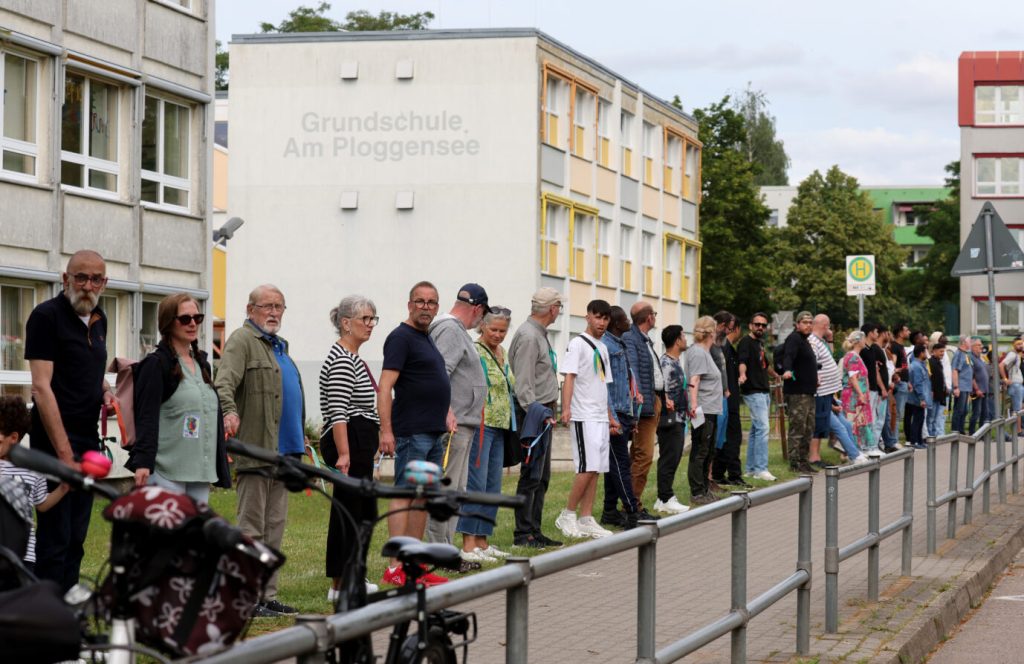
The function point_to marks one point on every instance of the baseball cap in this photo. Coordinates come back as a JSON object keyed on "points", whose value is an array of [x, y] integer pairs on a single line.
{"points": [[546, 296], [473, 294]]}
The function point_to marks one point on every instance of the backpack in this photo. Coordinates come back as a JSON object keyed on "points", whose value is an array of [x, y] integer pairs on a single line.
{"points": [[124, 409], [778, 355]]}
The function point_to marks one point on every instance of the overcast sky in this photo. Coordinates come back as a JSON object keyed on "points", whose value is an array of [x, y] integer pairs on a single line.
{"points": [[868, 85]]}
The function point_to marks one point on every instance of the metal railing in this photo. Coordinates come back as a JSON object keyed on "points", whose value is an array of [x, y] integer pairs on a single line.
{"points": [[314, 635], [834, 555], [991, 434]]}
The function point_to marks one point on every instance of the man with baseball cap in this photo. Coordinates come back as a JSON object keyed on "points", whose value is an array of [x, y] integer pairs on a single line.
{"points": [[450, 333], [536, 370]]}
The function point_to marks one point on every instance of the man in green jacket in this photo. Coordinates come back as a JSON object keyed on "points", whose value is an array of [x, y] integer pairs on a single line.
{"points": [[261, 394]]}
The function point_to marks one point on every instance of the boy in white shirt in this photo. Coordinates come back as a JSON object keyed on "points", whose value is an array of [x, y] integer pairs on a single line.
{"points": [[587, 370]]}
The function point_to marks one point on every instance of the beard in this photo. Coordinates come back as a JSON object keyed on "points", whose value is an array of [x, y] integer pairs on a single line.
{"points": [[82, 302]]}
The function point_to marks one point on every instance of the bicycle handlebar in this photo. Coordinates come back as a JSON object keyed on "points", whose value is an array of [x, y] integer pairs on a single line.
{"points": [[49, 465], [364, 487]]}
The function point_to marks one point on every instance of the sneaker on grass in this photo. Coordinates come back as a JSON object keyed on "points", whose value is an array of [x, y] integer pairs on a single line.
{"points": [[588, 527], [764, 476], [493, 552], [280, 608], [567, 524], [477, 556]]}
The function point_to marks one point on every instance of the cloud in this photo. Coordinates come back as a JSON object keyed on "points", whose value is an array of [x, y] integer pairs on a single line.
{"points": [[923, 81], [875, 156], [721, 58]]}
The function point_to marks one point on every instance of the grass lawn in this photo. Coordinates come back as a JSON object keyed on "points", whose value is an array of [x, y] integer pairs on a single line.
{"points": [[303, 583]]}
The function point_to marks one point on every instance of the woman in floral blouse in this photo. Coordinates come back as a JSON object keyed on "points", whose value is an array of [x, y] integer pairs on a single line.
{"points": [[487, 445], [855, 391]]}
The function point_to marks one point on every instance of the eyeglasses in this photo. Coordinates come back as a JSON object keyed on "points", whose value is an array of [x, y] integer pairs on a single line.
{"points": [[185, 318], [81, 278], [369, 320], [759, 325], [425, 304], [272, 308]]}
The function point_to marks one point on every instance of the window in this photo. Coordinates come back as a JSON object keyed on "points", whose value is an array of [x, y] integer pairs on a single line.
{"points": [[672, 261], [19, 80], [89, 126], [651, 133], [647, 256], [673, 162], [556, 92], [604, 133], [773, 218], [1009, 312], [914, 256], [999, 104], [16, 303], [149, 335], [554, 227], [997, 176], [582, 232], [691, 172], [165, 153], [691, 273], [584, 122], [604, 251], [626, 257], [626, 136]]}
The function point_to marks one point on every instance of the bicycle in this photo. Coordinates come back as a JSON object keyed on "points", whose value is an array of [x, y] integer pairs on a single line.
{"points": [[438, 634], [171, 560]]}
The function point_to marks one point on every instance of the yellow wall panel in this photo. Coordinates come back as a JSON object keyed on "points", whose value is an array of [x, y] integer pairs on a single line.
{"points": [[606, 185], [220, 180], [651, 203], [668, 314], [581, 176], [605, 156], [220, 278], [670, 209], [627, 162], [607, 294], [579, 296]]}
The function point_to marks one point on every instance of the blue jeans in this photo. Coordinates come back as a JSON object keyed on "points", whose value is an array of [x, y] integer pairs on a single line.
{"points": [[1016, 394], [935, 420], [723, 420], [757, 440], [483, 478], [843, 429], [418, 446], [879, 413], [979, 413], [960, 411], [901, 394], [618, 481]]}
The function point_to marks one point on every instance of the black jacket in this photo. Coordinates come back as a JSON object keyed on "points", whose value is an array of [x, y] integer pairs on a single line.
{"points": [[801, 360], [154, 384]]}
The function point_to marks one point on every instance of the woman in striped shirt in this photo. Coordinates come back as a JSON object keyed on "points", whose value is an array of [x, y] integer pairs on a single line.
{"points": [[349, 440]]}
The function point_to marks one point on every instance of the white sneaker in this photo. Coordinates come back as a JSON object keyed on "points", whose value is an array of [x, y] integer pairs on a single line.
{"points": [[566, 523], [764, 476], [860, 460], [494, 552], [673, 505], [588, 527], [333, 593], [371, 587], [875, 453], [476, 556], [659, 506]]}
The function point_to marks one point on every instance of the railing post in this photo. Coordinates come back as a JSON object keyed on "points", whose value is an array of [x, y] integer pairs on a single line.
{"points": [[969, 500], [318, 625], [987, 457], [1015, 449], [517, 615], [803, 554], [646, 585], [832, 549], [931, 453], [954, 474], [908, 511], [874, 482], [1001, 459], [739, 578]]}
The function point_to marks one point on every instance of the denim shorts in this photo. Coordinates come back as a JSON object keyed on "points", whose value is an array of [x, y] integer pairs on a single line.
{"points": [[418, 446], [822, 416]]}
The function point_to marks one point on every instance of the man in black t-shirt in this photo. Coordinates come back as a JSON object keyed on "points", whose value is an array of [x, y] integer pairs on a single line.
{"points": [[753, 381], [799, 382], [65, 345], [874, 359]]}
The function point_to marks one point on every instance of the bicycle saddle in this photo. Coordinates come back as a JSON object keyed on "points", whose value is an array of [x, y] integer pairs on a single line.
{"points": [[413, 551]]}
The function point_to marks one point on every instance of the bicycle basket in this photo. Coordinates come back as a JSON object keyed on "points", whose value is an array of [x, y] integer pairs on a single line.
{"points": [[188, 597]]}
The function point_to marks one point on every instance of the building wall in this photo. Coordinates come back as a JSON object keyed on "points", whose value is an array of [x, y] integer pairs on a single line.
{"points": [[98, 65]]}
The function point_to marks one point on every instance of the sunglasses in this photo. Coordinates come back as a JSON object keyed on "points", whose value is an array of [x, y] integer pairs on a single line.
{"points": [[759, 325], [500, 311], [185, 318]]}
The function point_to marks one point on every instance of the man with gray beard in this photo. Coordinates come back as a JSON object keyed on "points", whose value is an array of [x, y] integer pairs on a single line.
{"points": [[65, 345]]}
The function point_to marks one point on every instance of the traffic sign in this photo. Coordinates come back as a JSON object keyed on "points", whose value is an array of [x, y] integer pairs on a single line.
{"points": [[1006, 255], [860, 275]]}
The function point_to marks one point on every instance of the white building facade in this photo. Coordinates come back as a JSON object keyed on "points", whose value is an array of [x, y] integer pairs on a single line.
{"points": [[105, 146], [366, 162]]}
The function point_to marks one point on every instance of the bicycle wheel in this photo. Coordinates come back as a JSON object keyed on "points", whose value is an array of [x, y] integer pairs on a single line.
{"points": [[438, 650]]}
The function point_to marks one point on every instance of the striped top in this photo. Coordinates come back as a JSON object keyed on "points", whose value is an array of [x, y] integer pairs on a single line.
{"points": [[34, 486], [346, 388], [830, 380]]}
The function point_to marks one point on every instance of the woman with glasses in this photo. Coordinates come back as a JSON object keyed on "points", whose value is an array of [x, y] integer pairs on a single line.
{"points": [[179, 434], [350, 437], [487, 444]]}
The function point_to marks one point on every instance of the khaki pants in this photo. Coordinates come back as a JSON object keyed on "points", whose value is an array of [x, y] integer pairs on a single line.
{"points": [[262, 510], [443, 532], [641, 453], [800, 411]]}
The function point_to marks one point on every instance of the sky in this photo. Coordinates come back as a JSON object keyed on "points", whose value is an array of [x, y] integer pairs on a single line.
{"points": [[869, 86]]}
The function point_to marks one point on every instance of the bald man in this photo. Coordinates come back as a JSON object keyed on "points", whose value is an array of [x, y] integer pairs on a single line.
{"points": [[66, 349]]}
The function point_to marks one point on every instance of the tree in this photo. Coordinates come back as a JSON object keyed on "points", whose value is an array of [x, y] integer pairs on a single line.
{"points": [[305, 19], [734, 269], [761, 146], [220, 77], [362, 20], [831, 218], [941, 223]]}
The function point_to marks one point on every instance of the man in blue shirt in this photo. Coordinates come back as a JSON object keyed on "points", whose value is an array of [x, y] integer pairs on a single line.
{"points": [[963, 382], [979, 408]]}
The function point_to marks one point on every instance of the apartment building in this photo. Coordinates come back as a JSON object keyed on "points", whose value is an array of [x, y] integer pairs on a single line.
{"points": [[990, 104], [365, 162], [105, 146]]}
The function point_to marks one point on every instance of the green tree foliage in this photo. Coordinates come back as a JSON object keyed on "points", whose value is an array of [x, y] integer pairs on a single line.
{"points": [[735, 272], [831, 218], [221, 64], [362, 21], [305, 19], [942, 224], [761, 146]]}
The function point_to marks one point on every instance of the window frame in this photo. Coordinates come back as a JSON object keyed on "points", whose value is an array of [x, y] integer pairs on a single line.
{"points": [[672, 270], [626, 259], [1012, 117], [673, 141], [603, 251], [14, 145], [650, 146], [647, 262], [998, 183], [84, 159], [604, 132], [981, 304], [691, 272], [626, 120], [578, 143], [162, 179]]}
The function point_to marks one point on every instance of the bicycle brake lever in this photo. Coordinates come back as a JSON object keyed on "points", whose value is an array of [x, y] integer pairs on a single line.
{"points": [[441, 508]]}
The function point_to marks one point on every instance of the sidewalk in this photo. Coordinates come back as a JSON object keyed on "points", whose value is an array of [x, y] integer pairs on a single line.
{"points": [[589, 613]]}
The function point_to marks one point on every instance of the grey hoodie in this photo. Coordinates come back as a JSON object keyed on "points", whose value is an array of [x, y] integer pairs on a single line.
{"points": [[469, 386]]}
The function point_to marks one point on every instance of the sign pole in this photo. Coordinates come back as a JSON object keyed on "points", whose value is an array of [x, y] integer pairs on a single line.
{"points": [[992, 319], [860, 311]]}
